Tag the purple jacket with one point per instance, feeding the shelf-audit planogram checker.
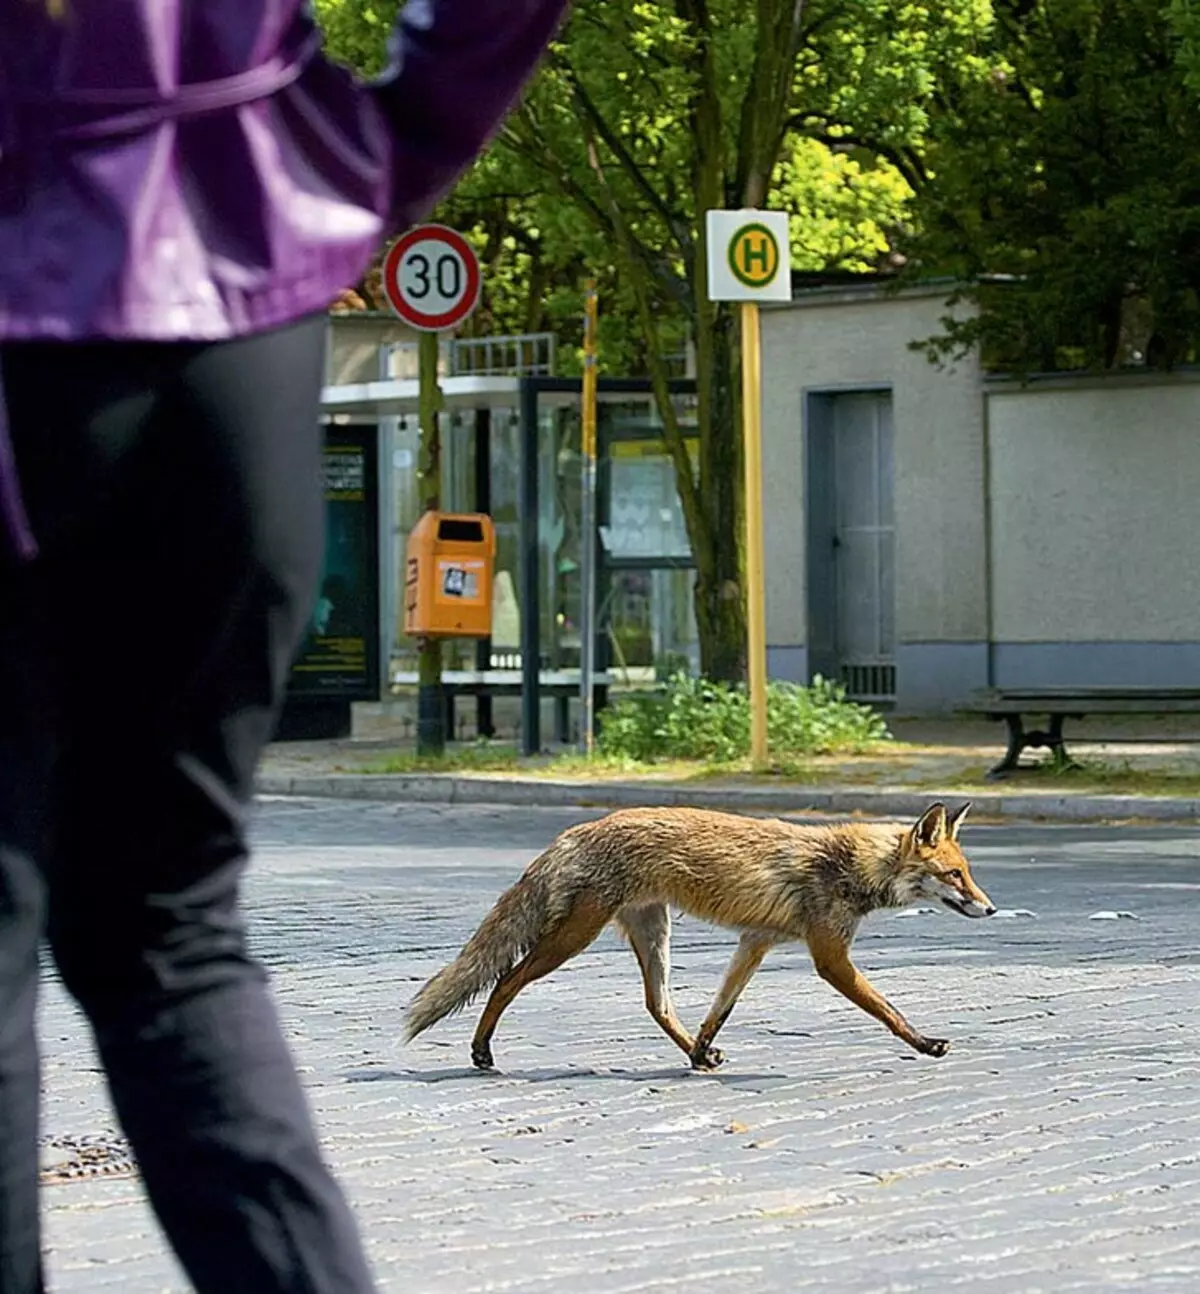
(196, 169)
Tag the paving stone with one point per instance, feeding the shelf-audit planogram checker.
(1052, 1149)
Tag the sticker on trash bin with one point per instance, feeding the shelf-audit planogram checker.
(458, 581)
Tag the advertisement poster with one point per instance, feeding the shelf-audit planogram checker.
(340, 654)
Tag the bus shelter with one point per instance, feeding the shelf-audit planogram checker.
(511, 448)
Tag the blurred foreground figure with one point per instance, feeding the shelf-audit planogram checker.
(185, 186)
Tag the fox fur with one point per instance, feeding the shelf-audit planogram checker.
(772, 880)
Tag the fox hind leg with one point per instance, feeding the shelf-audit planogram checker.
(648, 930)
(572, 935)
(753, 947)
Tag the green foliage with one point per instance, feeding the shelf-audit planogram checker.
(356, 31)
(1183, 17)
(846, 207)
(699, 719)
(1062, 182)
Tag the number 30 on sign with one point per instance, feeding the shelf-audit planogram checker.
(431, 278)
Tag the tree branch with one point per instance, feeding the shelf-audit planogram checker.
(677, 226)
(761, 130)
(907, 162)
(535, 151)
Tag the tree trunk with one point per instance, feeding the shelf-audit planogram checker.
(718, 545)
(716, 535)
(721, 623)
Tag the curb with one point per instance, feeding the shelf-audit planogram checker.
(448, 788)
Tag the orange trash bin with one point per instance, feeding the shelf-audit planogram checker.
(448, 577)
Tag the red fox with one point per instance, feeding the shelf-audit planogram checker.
(772, 880)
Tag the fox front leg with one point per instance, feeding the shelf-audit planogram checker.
(752, 948)
(834, 966)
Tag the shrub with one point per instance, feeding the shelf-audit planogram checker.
(693, 718)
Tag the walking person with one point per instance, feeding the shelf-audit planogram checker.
(185, 186)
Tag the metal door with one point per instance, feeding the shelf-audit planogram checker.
(852, 542)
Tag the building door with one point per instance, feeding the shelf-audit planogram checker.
(851, 542)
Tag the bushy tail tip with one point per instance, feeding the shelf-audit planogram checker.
(506, 934)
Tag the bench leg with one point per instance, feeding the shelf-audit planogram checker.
(1019, 740)
(1016, 744)
(485, 724)
(562, 719)
(449, 713)
(1056, 742)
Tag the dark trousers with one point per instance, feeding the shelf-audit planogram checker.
(174, 492)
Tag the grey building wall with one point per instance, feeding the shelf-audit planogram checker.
(1095, 532)
(840, 340)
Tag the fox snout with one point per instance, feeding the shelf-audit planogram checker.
(980, 907)
(956, 888)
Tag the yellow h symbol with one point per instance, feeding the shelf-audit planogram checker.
(754, 256)
(756, 253)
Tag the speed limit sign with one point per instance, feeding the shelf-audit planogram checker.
(431, 278)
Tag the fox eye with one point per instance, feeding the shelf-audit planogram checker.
(954, 874)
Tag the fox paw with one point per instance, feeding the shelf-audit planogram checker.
(481, 1058)
(933, 1046)
(707, 1058)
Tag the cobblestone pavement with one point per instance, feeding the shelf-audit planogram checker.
(1057, 1147)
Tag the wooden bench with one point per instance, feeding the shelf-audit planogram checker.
(1060, 704)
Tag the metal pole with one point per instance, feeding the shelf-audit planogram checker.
(389, 571)
(755, 562)
(527, 512)
(587, 532)
(484, 725)
(431, 704)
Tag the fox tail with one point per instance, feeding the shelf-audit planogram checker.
(508, 932)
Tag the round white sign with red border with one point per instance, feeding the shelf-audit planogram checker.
(431, 278)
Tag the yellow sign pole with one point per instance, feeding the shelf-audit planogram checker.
(748, 260)
(756, 602)
(590, 374)
(587, 565)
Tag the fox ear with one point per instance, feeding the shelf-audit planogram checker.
(955, 820)
(931, 829)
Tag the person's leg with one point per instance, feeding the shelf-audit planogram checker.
(190, 587)
(26, 757)
(65, 473)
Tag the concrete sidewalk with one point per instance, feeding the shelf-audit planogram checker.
(930, 759)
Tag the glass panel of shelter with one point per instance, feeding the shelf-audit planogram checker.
(644, 601)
